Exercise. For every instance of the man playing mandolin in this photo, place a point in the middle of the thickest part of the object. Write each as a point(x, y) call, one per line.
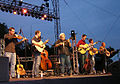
point(103, 53)
point(63, 49)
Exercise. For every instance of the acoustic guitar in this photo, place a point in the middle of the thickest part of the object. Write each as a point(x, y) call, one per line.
point(20, 69)
point(86, 48)
point(40, 49)
point(93, 51)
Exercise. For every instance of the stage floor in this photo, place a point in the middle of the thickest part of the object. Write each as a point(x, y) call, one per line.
point(74, 79)
point(59, 77)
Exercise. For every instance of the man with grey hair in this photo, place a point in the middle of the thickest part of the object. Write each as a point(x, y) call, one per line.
point(63, 46)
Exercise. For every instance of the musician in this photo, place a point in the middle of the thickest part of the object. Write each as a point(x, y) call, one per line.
point(63, 49)
point(91, 56)
point(10, 52)
point(36, 54)
point(82, 57)
point(103, 53)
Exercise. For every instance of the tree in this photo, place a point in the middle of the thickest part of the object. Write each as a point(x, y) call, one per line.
point(3, 30)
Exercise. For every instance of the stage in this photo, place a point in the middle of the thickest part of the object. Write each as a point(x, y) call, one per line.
point(75, 79)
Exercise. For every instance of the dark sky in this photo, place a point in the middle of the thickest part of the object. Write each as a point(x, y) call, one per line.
point(99, 19)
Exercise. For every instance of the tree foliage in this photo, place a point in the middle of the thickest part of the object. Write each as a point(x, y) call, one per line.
point(3, 30)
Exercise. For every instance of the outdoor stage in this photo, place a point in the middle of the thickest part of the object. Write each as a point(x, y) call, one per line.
point(75, 79)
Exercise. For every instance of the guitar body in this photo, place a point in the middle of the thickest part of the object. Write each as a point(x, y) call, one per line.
point(93, 51)
point(45, 62)
point(20, 69)
point(39, 48)
point(84, 50)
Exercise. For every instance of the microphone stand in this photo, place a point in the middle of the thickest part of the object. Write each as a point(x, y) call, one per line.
point(25, 49)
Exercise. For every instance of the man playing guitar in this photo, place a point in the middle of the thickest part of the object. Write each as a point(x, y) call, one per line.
point(91, 54)
point(82, 57)
point(37, 44)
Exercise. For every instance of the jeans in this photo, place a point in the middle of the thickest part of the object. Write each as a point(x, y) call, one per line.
point(36, 65)
point(12, 61)
point(65, 60)
point(83, 57)
point(92, 62)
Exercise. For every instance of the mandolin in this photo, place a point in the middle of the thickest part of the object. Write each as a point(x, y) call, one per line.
point(104, 50)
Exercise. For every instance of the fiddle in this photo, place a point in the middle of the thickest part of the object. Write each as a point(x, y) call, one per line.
point(104, 50)
point(20, 37)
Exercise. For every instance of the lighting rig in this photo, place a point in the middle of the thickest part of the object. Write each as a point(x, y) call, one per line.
point(18, 7)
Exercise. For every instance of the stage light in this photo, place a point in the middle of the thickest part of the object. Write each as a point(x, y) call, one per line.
point(14, 12)
point(18, 12)
point(10, 11)
point(20, 2)
point(42, 18)
point(24, 11)
point(46, 0)
point(45, 16)
point(73, 34)
point(6, 10)
point(2, 9)
point(28, 13)
point(42, 7)
point(25, 14)
point(47, 4)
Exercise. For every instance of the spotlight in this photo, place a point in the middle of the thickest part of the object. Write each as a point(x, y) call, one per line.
point(42, 7)
point(14, 12)
point(42, 18)
point(47, 4)
point(24, 11)
point(18, 12)
point(10, 11)
point(20, 2)
point(28, 13)
point(45, 16)
point(36, 15)
point(46, 0)
point(73, 34)
point(2, 9)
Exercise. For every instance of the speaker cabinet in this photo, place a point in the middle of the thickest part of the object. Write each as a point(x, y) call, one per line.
point(4, 68)
point(114, 68)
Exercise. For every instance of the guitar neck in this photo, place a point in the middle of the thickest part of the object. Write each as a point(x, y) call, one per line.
point(18, 59)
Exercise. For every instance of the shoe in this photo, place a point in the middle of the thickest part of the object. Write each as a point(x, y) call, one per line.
point(94, 71)
point(12, 77)
point(104, 71)
point(62, 75)
point(91, 73)
point(37, 76)
point(70, 74)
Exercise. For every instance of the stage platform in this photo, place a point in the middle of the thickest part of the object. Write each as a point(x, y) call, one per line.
point(75, 79)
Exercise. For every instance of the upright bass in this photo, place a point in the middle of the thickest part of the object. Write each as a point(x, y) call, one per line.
point(45, 62)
